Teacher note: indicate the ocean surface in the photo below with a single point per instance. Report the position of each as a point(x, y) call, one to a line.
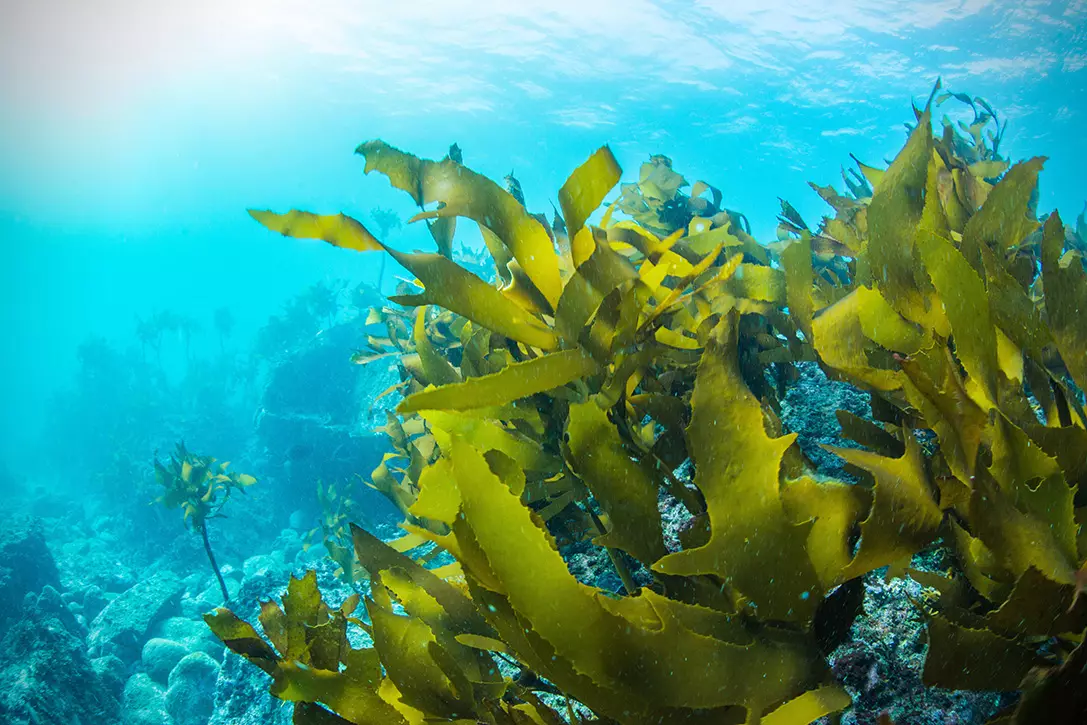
point(142, 306)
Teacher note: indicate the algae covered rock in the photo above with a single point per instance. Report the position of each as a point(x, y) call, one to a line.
point(86, 563)
point(242, 697)
point(46, 673)
point(882, 662)
point(160, 656)
point(144, 702)
point(112, 672)
point(317, 413)
point(191, 695)
point(26, 566)
point(122, 627)
point(809, 409)
point(193, 634)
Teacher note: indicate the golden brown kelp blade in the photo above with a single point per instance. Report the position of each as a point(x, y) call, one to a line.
point(513, 382)
point(459, 191)
point(554, 409)
point(1065, 300)
point(338, 230)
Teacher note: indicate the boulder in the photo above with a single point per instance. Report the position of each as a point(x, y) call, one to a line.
point(26, 566)
point(94, 601)
point(242, 697)
point(318, 415)
point(144, 702)
point(84, 563)
point(160, 656)
point(46, 673)
point(112, 672)
point(262, 565)
point(193, 634)
point(211, 597)
point(190, 698)
point(122, 627)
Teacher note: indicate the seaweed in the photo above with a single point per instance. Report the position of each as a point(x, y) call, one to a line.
point(555, 405)
point(200, 486)
point(333, 530)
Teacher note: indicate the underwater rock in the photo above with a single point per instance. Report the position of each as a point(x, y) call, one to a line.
point(190, 697)
point(160, 656)
point(52, 601)
point(113, 673)
point(590, 565)
point(881, 665)
point(675, 518)
point(262, 565)
point(192, 634)
point(46, 673)
point(144, 702)
point(212, 596)
point(242, 697)
point(317, 412)
point(121, 628)
point(289, 544)
point(94, 601)
point(809, 411)
point(86, 563)
point(26, 566)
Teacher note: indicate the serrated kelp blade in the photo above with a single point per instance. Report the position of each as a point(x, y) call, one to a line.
point(338, 230)
point(454, 288)
point(753, 543)
point(657, 667)
point(515, 381)
point(1065, 300)
point(623, 488)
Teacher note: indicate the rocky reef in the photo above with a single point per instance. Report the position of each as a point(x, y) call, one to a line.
point(662, 394)
point(645, 470)
point(133, 649)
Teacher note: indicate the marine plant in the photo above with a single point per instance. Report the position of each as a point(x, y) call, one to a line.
point(200, 486)
point(618, 368)
point(333, 530)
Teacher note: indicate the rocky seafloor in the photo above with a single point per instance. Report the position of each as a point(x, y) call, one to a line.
point(82, 645)
point(100, 626)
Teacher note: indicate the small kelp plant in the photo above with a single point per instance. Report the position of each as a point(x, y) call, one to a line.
point(200, 486)
point(638, 364)
point(333, 530)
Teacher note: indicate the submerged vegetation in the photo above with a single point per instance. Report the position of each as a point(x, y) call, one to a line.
point(333, 530)
point(200, 486)
point(619, 369)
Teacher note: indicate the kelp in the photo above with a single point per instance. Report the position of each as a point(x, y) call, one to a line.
point(200, 486)
point(615, 365)
point(338, 511)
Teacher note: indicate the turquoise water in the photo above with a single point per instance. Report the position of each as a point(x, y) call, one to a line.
point(133, 138)
point(142, 306)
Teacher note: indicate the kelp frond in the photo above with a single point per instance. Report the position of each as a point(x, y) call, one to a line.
point(556, 405)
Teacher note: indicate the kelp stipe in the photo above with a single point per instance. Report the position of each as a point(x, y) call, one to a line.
point(555, 406)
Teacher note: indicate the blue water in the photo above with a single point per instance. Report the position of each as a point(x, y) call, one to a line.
point(133, 137)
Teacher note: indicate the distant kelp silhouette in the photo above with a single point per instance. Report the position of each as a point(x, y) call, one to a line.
point(556, 406)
